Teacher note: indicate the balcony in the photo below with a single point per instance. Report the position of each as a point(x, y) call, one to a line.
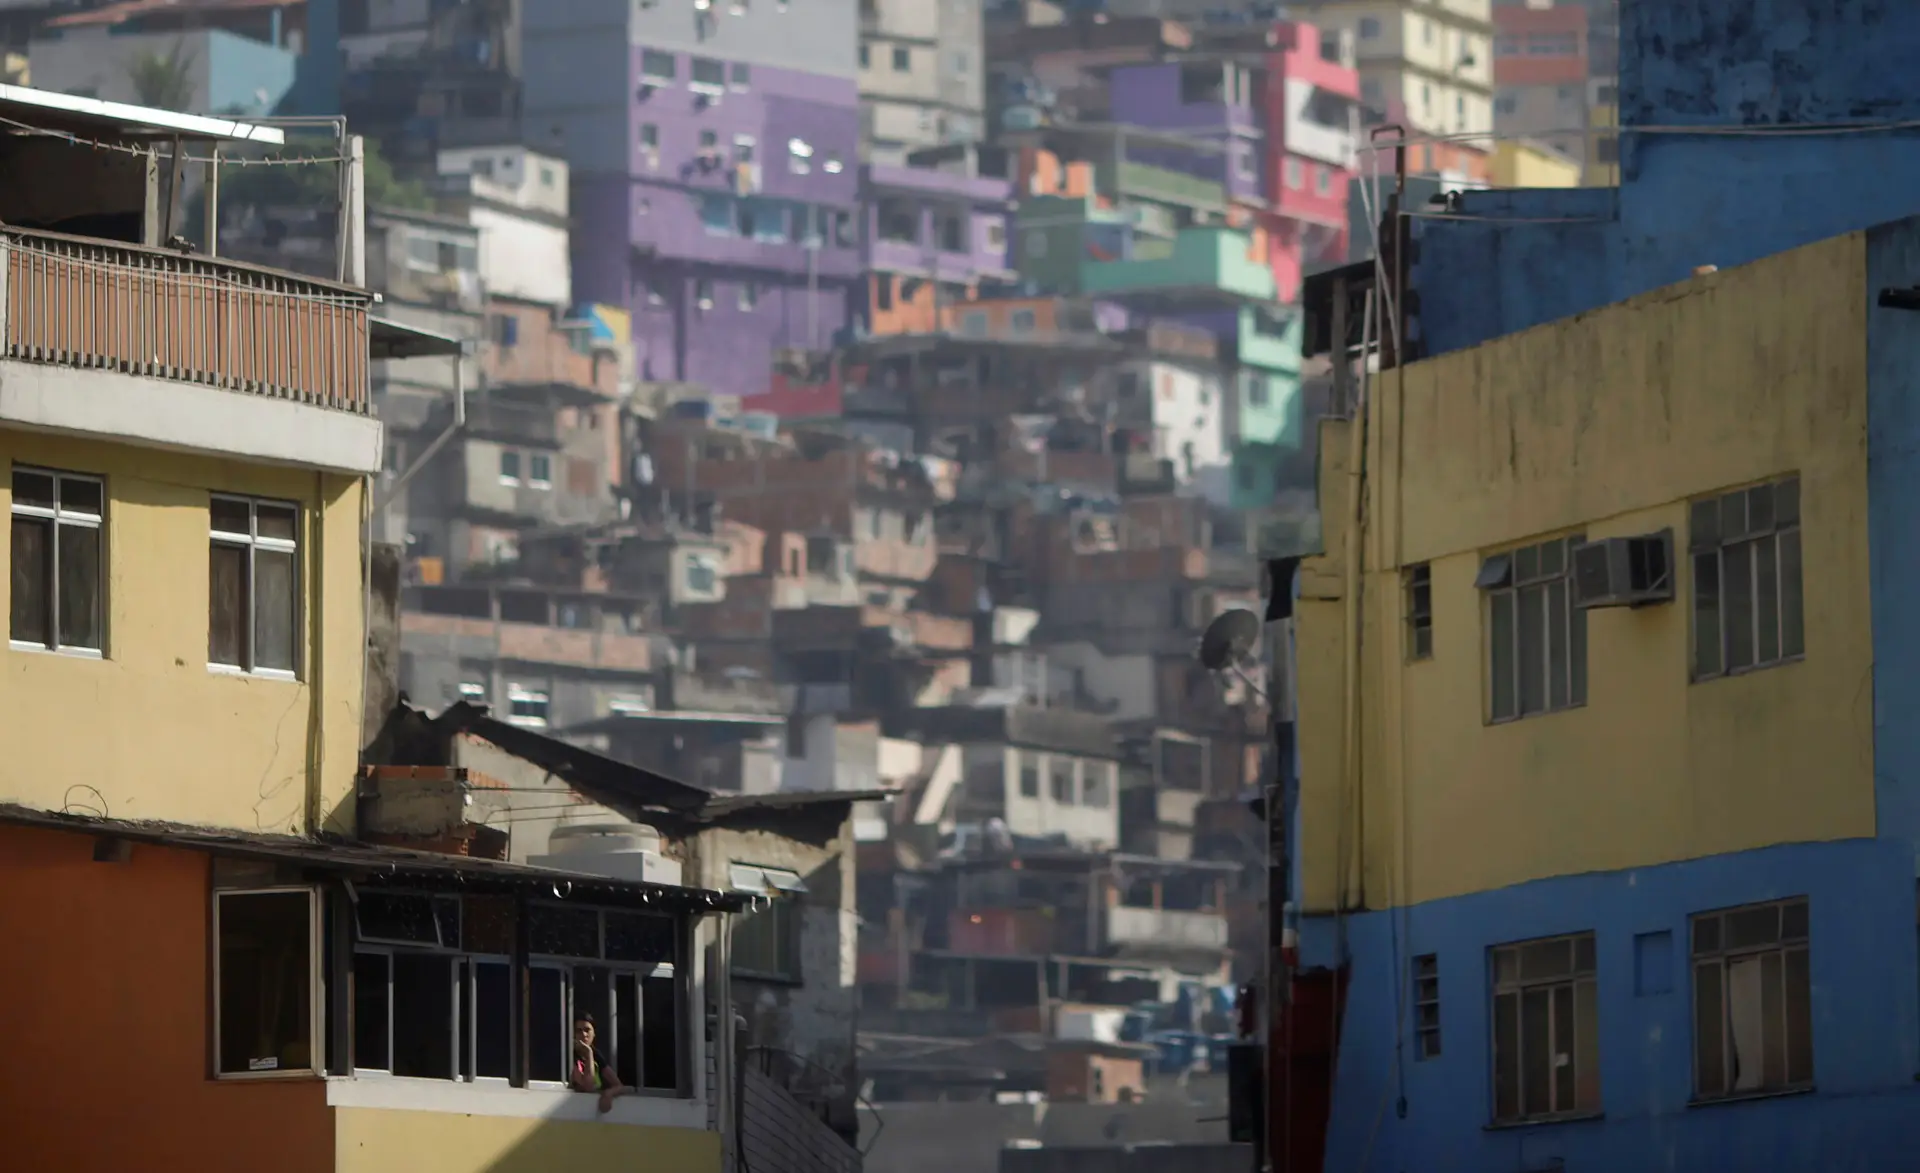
point(1163, 185)
point(211, 355)
point(1203, 265)
point(1134, 931)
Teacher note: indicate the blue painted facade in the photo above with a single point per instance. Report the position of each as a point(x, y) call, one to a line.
point(1864, 1111)
point(1395, 1112)
point(1689, 199)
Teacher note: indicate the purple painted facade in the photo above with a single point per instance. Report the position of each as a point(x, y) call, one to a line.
point(958, 224)
point(735, 230)
point(1214, 101)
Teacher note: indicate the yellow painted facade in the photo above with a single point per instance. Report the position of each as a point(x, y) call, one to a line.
point(1603, 424)
point(1603, 146)
point(1524, 164)
point(372, 1140)
point(148, 731)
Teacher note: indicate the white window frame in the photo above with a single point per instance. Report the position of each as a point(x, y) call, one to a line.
point(316, 985)
point(534, 479)
point(1713, 546)
point(1719, 956)
point(1576, 978)
point(254, 542)
point(1504, 579)
point(61, 517)
point(659, 80)
point(670, 970)
point(510, 479)
point(542, 696)
point(799, 156)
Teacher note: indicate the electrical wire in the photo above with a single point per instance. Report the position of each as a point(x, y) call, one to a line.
point(27, 128)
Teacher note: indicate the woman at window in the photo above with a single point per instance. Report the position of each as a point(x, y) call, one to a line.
point(591, 1072)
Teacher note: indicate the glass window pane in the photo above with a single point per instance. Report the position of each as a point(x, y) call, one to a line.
point(1536, 1062)
point(487, 924)
point(1799, 1018)
point(280, 522)
point(1501, 619)
point(1704, 525)
point(266, 963)
point(547, 1028)
point(1760, 509)
point(1532, 649)
point(1577, 657)
point(275, 593)
point(79, 586)
point(1546, 959)
point(227, 605)
point(1526, 563)
point(1706, 614)
point(1749, 927)
point(1709, 1047)
point(1767, 600)
point(1562, 1049)
point(1506, 965)
point(660, 1033)
point(1506, 1056)
point(1793, 637)
point(1739, 603)
point(370, 1017)
point(1706, 934)
point(564, 932)
point(1793, 921)
point(1586, 1046)
point(492, 1020)
point(230, 516)
point(30, 606)
point(1583, 955)
point(423, 1044)
point(1557, 674)
point(80, 495)
point(1553, 557)
point(1733, 516)
point(34, 489)
point(1786, 502)
point(1746, 1024)
point(626, 1034)
point(1773, 1020)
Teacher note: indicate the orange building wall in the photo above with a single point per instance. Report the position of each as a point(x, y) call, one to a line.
point(104, 995)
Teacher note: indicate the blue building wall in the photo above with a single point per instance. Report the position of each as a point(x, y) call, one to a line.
point(1864, 1111)
point(1690, 199)
point(247, 77)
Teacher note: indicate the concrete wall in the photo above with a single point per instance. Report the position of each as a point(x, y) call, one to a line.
point(148, 730)
point(229, 74)
point(1688, 200)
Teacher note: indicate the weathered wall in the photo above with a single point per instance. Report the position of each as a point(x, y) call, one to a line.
point(1688, 200)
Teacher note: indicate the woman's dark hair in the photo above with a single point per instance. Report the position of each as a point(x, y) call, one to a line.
point(587, 1018)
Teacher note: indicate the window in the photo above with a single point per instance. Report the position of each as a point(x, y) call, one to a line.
point(1607, 150)
point(509, 467)
point(1323, 180)
point(1245, 164)
point(1256, 388)
point(546, 177)
point(1029, 777)
point(527, 706)
point(506, 331)
point(618, 967)
point(1369, 28)
point(1426, 1007)
point(1546, 1030)
point(540, 471)
point(1506, 104)
point(1419, 612)
point(1293, 173)
point(709, 142)
point(473, 692)
point(766, 941)
point(1094, 789)
point(902, 59)
point(996, 234)
point(973, 324)
point(1747, 607)
point(1036, 246)
point(264, 988)
point(1020, 321)
point(799, 156)
point(649, 136)
point(739, 76)
point(1752, 1015)
point(743, 148)
point(707, 76)
point(58, 576)
point(747, 296)
point(1537, 644)
point(832, 166)
point(866, 57)
point(701, 574)
point(1062, 781)
point(703, 294)
point(254, 581)
point(656, 68)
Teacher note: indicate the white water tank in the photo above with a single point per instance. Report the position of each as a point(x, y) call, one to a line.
point(621, 851)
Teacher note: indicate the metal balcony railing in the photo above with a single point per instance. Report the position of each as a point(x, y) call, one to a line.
point(102, 305)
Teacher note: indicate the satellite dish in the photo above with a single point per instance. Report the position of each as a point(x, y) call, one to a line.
point(1229, 639)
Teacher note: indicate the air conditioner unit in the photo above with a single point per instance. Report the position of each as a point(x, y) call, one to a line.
point(1624, 572)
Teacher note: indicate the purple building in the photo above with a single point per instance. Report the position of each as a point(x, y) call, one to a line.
point(1214, 102)
point(936, 235)
point(715, 189)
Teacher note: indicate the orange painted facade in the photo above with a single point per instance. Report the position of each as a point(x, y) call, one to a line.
point(105, 1059)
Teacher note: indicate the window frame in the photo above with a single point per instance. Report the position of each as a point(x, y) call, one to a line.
point(535, 461)
point(1503, 576)
point(316, 984)
point(253, 543)
point(1721, 954)
point(1418, 585)
point(673, 970)
point(1517, 987)
point(788, 928)
point(58, 517)
point(1782, 495)
point(1424, 989)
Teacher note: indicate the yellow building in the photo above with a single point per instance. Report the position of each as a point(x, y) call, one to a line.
point(1602, 812)
point(1603, 146)
point(1530, 164)
point(188, 445)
